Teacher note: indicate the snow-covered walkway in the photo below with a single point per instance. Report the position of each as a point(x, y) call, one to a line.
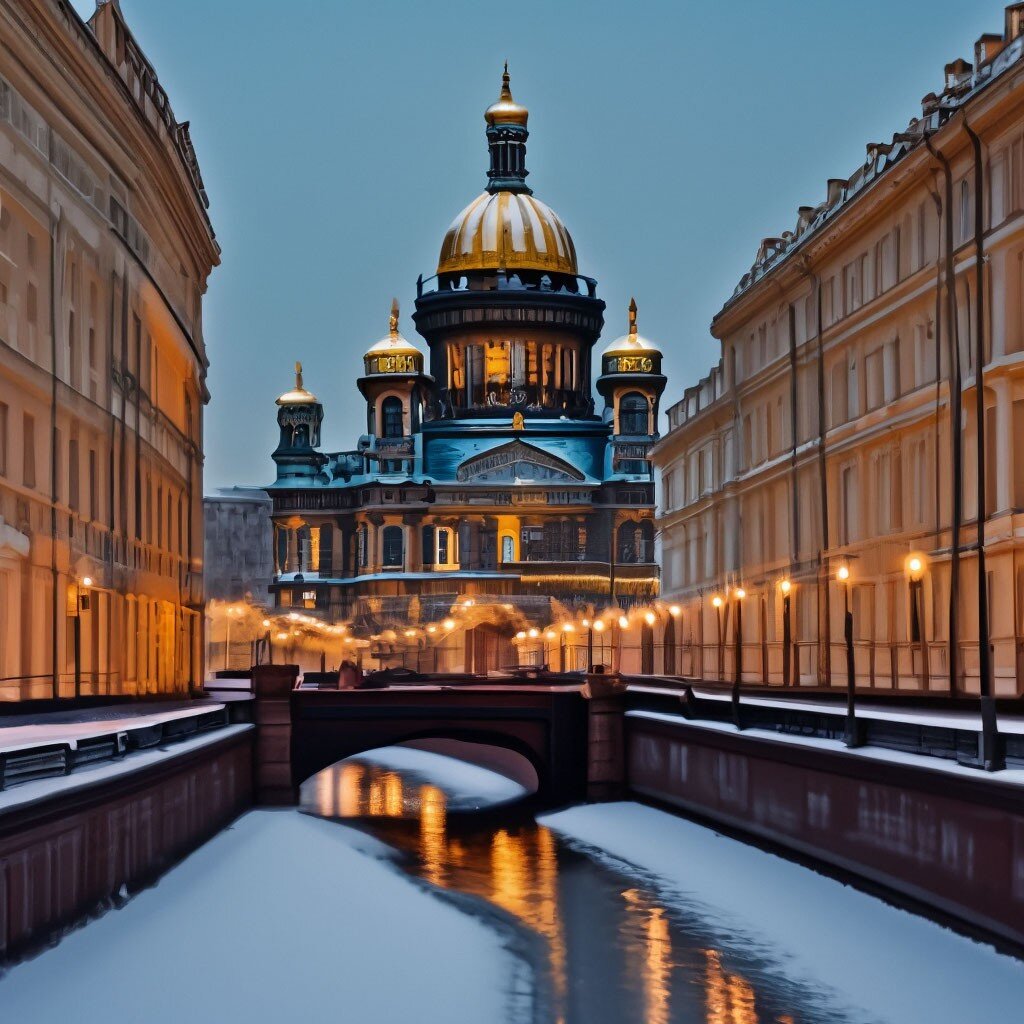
point(899, 968)
point(280, 918)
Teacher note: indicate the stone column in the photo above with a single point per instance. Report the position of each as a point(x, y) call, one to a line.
point(606, 748)
point(273, 685)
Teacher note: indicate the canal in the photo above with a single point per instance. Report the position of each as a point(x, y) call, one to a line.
point(412, 887)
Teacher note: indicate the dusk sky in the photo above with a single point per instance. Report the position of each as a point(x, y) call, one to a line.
point(338, 140)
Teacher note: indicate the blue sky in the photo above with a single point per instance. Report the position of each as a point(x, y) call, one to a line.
point(338, 140)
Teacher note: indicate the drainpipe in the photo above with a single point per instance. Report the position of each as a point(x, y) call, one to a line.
point(824, 642)
point(956, 424)
point(989, 754)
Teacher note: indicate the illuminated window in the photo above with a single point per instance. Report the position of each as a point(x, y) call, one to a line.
point(445, 551)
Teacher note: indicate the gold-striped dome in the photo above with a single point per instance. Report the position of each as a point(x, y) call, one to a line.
point(507, 230)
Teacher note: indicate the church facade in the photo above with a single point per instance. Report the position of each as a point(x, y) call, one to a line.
point(487, 478)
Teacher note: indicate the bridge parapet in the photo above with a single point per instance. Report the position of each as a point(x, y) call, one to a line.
point(272, 768)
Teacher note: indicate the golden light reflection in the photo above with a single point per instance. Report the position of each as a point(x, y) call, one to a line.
point(730, 999)
point(516, 868)
point(652, 955)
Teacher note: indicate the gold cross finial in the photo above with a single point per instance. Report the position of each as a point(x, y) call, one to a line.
point(632, 317)
point(298, 376)
point(393, 323)
point(506, 91)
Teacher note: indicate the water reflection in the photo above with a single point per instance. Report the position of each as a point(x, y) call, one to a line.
point(601, 949)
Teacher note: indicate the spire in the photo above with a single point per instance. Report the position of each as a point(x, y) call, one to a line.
point(393, 321)
point(506, 139)
point(632, 317)
point(298, 395)
point(298, 376)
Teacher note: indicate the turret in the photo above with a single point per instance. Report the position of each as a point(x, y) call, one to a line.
point(396, 390)
point(299, 415)
point(631, 384)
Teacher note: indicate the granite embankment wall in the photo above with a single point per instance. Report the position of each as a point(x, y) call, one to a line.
point(71, 846)
point(947, 839)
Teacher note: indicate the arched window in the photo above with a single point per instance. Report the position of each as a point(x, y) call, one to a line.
point(508, 548)
point(393, 547)
point(635, 542)
point(364, 547)
point(633, 410)
point(391, 417)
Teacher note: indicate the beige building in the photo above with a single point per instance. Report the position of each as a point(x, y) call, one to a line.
point(105, 249)
point(825, 443)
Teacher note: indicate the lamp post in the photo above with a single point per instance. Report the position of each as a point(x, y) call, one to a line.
point(739, 594)
point(587, 625)
point(598, 627)
point(674, 624)
point(81, 602)
point(718, 602)
point(915, 570)
point(785, 588)
point(852, 733)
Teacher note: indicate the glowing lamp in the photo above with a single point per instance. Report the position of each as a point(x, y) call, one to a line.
point(598, 626)
point(740, 593)
point(568, 627)
point(551, 634)
point(785, 586)
point(843, 573)
point(623, 622)
point(86, 581)
point(534, 633)
point(650, 618)
point(449, 624)
point(674, 610)
point(521, 635)
point(716, 601)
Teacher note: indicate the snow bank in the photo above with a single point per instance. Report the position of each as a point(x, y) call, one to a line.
point(277, 919)
point(896, 966)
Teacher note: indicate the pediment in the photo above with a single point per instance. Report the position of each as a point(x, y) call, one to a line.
point(517, 461)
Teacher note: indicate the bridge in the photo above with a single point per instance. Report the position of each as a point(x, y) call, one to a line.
point(557, 737)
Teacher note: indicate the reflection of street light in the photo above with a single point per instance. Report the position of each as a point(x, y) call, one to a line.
point(851, 737)
point(739, 593)
point(787, 633)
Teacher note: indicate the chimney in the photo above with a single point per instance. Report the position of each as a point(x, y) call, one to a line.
point(957, 72)
point(1014, 22)
point(835, 191)
point(929, 104)
point(986, 48)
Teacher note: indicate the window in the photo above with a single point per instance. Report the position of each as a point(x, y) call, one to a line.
point(445, 550)
point(508, 548)
point(73, 494)
point(636, 542)
point(391, 417)
point(875, 372)
point(633, 409)
point(31, 303)
point(363, 546)
point(429, 544)
point(392, 541)
point(28, 471)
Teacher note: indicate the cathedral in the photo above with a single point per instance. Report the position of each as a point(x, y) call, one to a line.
point(489, 496)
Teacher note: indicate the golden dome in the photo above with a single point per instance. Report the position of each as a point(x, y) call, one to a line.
point(631, 343)
point(298, 395)
point(506, 110)
point(507, 230)
point(394, 343)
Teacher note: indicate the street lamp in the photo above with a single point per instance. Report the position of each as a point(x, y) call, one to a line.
point(915, 570)
point(718, 602)
point(739, 594)
point(785, 588)
point(81, 604)
point(851, 737)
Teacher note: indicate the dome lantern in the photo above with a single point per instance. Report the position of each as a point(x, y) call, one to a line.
point(506, 140)
point(298, 395)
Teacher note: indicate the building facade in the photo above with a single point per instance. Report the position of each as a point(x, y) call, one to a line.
point(486, 476)
point(832, 461)
point(105, 250)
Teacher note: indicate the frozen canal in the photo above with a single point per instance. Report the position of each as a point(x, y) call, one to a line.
point(383, 903)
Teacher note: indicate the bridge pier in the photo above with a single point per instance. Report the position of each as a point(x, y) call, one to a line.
point(274, 784)
point(606, 747)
